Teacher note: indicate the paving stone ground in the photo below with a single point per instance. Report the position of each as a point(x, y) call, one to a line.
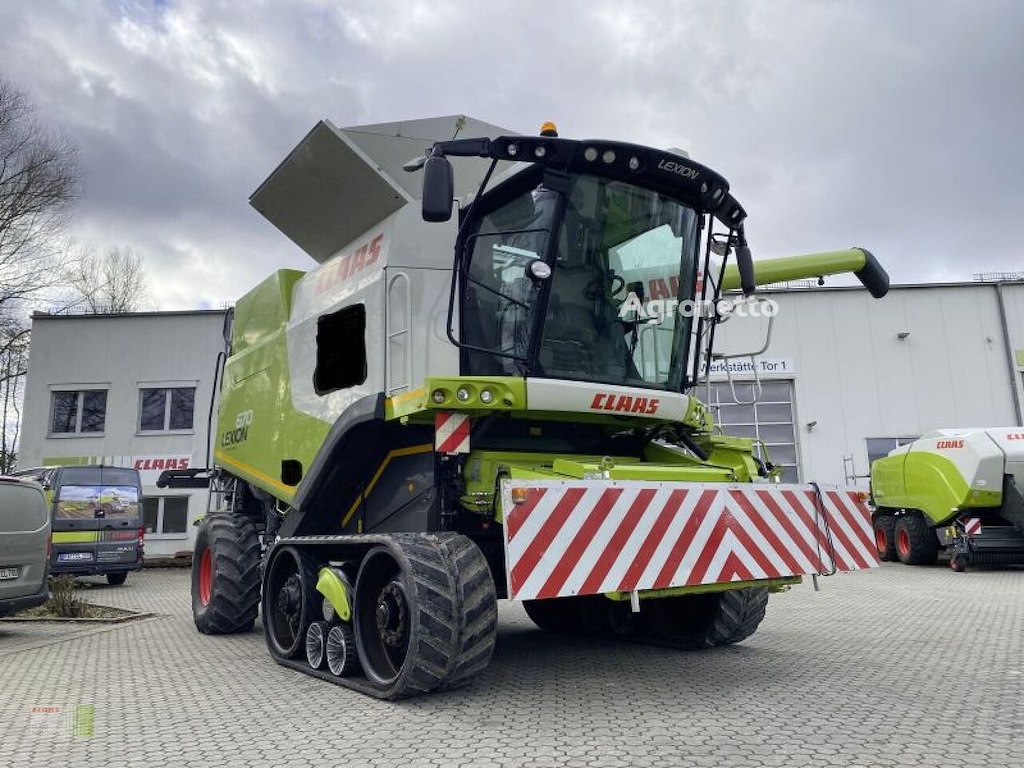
point(896, 667)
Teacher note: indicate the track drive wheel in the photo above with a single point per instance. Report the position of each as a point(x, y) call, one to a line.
point(290, 600)
point(225, 575)
point(695, 622)
point(425, 613)
point(884, 525)
point(915, 540)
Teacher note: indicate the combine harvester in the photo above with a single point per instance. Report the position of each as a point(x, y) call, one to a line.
point(455, 409)
point(955, 490)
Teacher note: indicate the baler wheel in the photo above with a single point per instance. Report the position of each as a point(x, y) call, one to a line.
point(695, 622)
point(915, 541)
point(290, 600)
point(885, 537)
point(425, 613)
point(226, 575)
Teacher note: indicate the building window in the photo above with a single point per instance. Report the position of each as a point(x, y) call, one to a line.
point(879, 447)
point(166, 409)
point(771, 419)
point(78, 412)
point(165, 515)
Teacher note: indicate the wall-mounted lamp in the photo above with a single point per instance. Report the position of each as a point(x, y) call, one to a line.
point(902, 335)
point(811, 425)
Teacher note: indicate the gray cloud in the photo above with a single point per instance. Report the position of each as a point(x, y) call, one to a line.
point(888, 125)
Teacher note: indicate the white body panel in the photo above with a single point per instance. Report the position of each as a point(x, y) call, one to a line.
point(589, 397)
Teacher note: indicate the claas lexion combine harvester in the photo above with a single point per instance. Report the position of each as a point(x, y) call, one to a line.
point(450, 410)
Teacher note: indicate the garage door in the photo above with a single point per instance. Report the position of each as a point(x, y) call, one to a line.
point(770, 419)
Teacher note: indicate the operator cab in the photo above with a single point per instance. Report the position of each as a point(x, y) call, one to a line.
point(553, 263)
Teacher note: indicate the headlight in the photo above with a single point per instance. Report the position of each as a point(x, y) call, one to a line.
point(486, 397)
point(438, 396)
point(462, 394)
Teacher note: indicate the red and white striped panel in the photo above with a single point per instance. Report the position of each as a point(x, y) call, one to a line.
point(972, 526)
point(582, 537)
point(451, 432)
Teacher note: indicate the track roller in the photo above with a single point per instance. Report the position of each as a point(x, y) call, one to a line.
point(341, 651)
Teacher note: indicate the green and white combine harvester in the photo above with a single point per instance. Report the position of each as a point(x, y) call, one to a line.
point(455, 409)
point(953, 489)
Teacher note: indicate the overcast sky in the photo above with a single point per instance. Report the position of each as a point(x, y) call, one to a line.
point(896, 126)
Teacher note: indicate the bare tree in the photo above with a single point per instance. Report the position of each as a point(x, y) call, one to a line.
point(39, 180)
point(113, 283)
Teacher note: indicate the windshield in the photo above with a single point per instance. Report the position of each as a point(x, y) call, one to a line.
point(612, 246)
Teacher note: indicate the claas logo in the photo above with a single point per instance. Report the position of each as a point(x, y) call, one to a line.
point(949, 444)
point(604, 401)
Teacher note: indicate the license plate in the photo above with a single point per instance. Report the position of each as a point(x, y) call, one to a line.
point(65, 557)
point(9, 573)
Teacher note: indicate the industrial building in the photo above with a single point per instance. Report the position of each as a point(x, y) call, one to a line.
point(844, 380)
point(127, 390)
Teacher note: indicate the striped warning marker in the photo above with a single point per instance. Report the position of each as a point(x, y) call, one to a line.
point(589, 537)
point(972, 526)
point(451, 433)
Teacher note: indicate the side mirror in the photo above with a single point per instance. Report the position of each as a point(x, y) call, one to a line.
point(438, 188)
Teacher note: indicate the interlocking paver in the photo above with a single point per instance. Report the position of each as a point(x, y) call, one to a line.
point(873, 671)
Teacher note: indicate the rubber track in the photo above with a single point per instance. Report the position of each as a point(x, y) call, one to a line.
point(235, 597)
point(477, 609)
point(455, 624)
point(737, 616)
point(740, 611)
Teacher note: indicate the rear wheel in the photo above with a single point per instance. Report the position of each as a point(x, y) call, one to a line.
point(116, 579)
point(915, 540)
point(694, 622)
point(885, 537)
point(226, 575)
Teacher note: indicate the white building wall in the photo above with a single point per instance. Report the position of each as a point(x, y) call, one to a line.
point(856, 378)
point(123, 353)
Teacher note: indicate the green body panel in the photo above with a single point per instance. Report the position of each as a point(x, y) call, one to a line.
point(767, 271)
point(255, 403)
point(927, 482)
point(333, 587)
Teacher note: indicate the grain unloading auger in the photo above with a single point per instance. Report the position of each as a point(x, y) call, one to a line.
point(404, 437)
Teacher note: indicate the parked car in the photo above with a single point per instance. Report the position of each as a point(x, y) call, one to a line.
point(24, 544)
point(97, 519)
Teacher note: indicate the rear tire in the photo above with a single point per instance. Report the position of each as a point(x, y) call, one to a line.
point(915, 540)
point(226, 575)
point(116, 579)
point(885, 537)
